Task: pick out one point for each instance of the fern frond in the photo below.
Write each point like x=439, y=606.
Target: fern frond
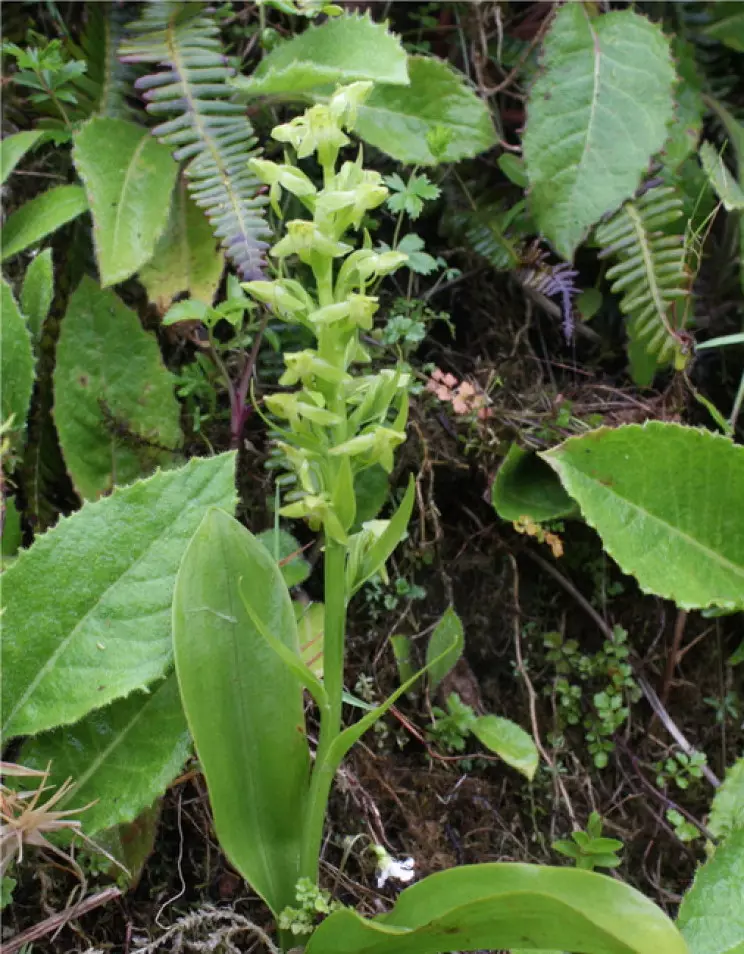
x=650, y=270
x=207, y=129
x=104, y=87
x=492, y=231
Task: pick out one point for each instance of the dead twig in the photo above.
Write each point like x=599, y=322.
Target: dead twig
x=57, y=921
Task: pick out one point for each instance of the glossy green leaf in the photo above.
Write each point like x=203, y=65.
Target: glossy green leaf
x=16, y=367
x=114, y=402
x=727, y=188
x=525, y=486
x=495, y=906
x=186, y=258
x=509, y=741
x=14, y=148
x=447, y=638
x=342, y=50
x=103, y=576
x=596, y=114
x=727, y=810
x=120, y=757
x=41, y=216
x=666, y=501
x=37, y=292
x=287, y=552
x=401, y=121
x=243, y=704
x=128, y=177
x=381, y=549
x=711, y=916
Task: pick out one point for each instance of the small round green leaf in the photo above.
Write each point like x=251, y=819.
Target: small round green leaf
x=509, y=741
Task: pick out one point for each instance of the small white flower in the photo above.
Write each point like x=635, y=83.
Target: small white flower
x=389, y=868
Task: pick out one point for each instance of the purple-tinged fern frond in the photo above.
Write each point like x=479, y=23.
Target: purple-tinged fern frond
x=554, y=281
x=205, y=128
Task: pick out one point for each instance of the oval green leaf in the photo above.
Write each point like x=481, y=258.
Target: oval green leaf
x=120, y=757
x=41, y=216
x=103, y=576
x=445, y=647
x=667, y=502
x=495, y=906
x=16, y=367
x=37, y=292
x=711, y=916
x=525, y=486
x=128, y=177
x=402, y=121
x=509, y=741
x=14, y=148
x=595, y=116
x=243, y=704
x=114, y=403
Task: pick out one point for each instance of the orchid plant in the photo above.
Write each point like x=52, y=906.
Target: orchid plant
x=241, y=672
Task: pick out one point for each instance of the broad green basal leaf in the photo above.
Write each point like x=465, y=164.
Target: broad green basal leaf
x=496, y=906
x=186, y=258
x=16, y=367
x=727, y=810
x=667, y=502
x=595, y=116
x=102, y=577
x=37, y=292
x=711, y=916
x=342, y=50
x=114, y=403
x=40, y=217
x=243, y=703
x=525, y=486
x=120, y=757
x=438, y=105
x=14, y=148
x=128, y=177
x=509, y=741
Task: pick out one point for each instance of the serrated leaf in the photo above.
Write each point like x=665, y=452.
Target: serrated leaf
x=128, y=178
x=495, y=906
x=447, y=633
x=114, y=404
x=666, y=501
x=104, y=575
x=16, y=367
x=595, y=116
x=37, y=292
x=711, y=916
x=342, y=50
x=121, y=757
x=41, y=216
x=186, y=258
x=397, y=120
x=727, y=810
x=727, y=188
x=509, y=741
x=525, y=486
x=14, y=148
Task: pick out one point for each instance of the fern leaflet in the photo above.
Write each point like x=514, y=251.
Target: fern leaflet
x=104, y=87
x=208, y=130
x=649, y=272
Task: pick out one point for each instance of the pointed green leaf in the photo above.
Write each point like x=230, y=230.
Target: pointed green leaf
x=186, y=258
x=121, y=757
x=525, y=486
x=37, y=292
x=16, y=367
x=40, y=217
x=243, y=704
x=401, y=121
x=495, y=906
x=595, y=116
x=667, y=502
x=447, y=635
x=102, y=577
x=711, y=916
x=727, y=810
x=114, y=403
x=728, y=25
x=509, y=741
x=728, y=189
x=128, y=177
x=387, y=542
x=14, y=148
x=342, y=50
